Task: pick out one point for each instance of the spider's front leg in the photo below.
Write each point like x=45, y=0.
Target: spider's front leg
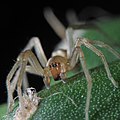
x=89, y=44
x=11, y=88
x=78, y=54
x=21, y=65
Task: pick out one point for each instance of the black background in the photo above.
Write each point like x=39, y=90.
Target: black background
x=21, y=21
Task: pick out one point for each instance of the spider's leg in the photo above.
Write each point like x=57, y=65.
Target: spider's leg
x=19, y=85
x=71, y=35
x=54, y=22
x=102, y=44
x=26, y=57
x=35, y=42
x=15, y=78
x=101, y=55
x=29, y=69
x=10, y=88
x=25, y=81
x=37, y=69
x=22, y=60
x=89, y=86
x=71, y=17
x=34, y=62
x=70, y=42
x=78, y=54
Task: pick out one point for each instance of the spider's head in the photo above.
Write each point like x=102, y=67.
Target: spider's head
x=57, y=65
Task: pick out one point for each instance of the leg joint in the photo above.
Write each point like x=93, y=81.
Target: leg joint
x=77, y=48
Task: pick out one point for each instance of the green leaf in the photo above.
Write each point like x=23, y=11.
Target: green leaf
x=67, y=101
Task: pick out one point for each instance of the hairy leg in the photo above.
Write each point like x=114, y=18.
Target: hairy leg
x=11, y=89
x=54, y=22
x=19, y=85
x=20, y=65
x=109, y=48
x=78, y=54
x=89, y=81
x=35, y=43
x=85, y=42
x=70, y=42
x=15, y=79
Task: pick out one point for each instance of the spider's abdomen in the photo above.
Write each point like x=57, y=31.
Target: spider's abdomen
x=57, y=65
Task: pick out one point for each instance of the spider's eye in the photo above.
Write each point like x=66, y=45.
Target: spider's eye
x=54, y=65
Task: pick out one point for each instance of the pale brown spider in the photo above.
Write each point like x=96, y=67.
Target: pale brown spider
x=57, y=66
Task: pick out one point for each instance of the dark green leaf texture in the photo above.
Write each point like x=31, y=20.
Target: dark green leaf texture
x=67, y=101
x=105, y=100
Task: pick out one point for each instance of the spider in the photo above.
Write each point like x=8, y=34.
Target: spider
x=58, y=65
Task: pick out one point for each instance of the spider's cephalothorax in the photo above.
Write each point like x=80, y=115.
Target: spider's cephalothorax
x=58, y=64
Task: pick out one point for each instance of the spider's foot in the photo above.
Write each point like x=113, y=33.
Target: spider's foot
x=115, y=84
x=63, y=77
x=47, y=86
x=63, y=80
